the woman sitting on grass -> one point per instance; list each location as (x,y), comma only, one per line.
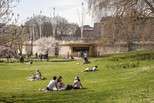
(35,76)
(77,83)
(60,84)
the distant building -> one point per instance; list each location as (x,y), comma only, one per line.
(71,44)
(92,32)
(74,47)
(143,28)
(142,37)
(97,29)
(87,31)
(91,36)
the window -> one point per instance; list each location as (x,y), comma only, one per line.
(79,49)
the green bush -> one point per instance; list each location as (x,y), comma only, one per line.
(139,55)
(123,65)
(114,59)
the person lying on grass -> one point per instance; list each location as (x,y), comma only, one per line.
(51,85)
(90,70)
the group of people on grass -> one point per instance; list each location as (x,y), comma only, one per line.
(38,75)
(82,54)
(68,56)
(57,84)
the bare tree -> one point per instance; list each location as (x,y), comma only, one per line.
(120,7)
(5,17)
(41,25)
(6,52)
(22,37)
(61,25)
(78,32)
(47,45)
(9,36)
(14,37)
(127,20)
(5,11)
(72,27)
(47,29)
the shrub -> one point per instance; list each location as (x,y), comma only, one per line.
(123,65)
(114,59)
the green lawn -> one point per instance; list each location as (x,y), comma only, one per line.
(112,83)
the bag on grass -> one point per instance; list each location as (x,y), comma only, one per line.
(68,87)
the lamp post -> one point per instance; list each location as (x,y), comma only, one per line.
(32,34)
(82,23)
(40,23)
(54,23)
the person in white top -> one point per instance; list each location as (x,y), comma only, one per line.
(94,68)
(37,75)
(77,83)
(85,56)
(51,85)
(90,70)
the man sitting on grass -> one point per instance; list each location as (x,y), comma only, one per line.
(51,85)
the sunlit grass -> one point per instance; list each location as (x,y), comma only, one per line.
(117,85)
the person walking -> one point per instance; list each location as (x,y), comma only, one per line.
(85,56)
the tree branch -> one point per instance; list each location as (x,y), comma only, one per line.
(150,5)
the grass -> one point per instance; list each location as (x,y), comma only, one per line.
(107,85)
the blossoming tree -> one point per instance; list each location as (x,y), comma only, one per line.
(47,45)
(6,52)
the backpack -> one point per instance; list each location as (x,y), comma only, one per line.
(68,87)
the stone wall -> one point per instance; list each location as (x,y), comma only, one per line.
(120,48)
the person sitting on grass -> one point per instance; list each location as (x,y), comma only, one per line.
(51,86)
(38,75)
(77,83)
(35,76)
(30,62)
(90,70)
(60,84)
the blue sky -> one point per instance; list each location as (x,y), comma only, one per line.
(69,9)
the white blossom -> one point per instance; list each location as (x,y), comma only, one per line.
(46,44)
(5,51)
